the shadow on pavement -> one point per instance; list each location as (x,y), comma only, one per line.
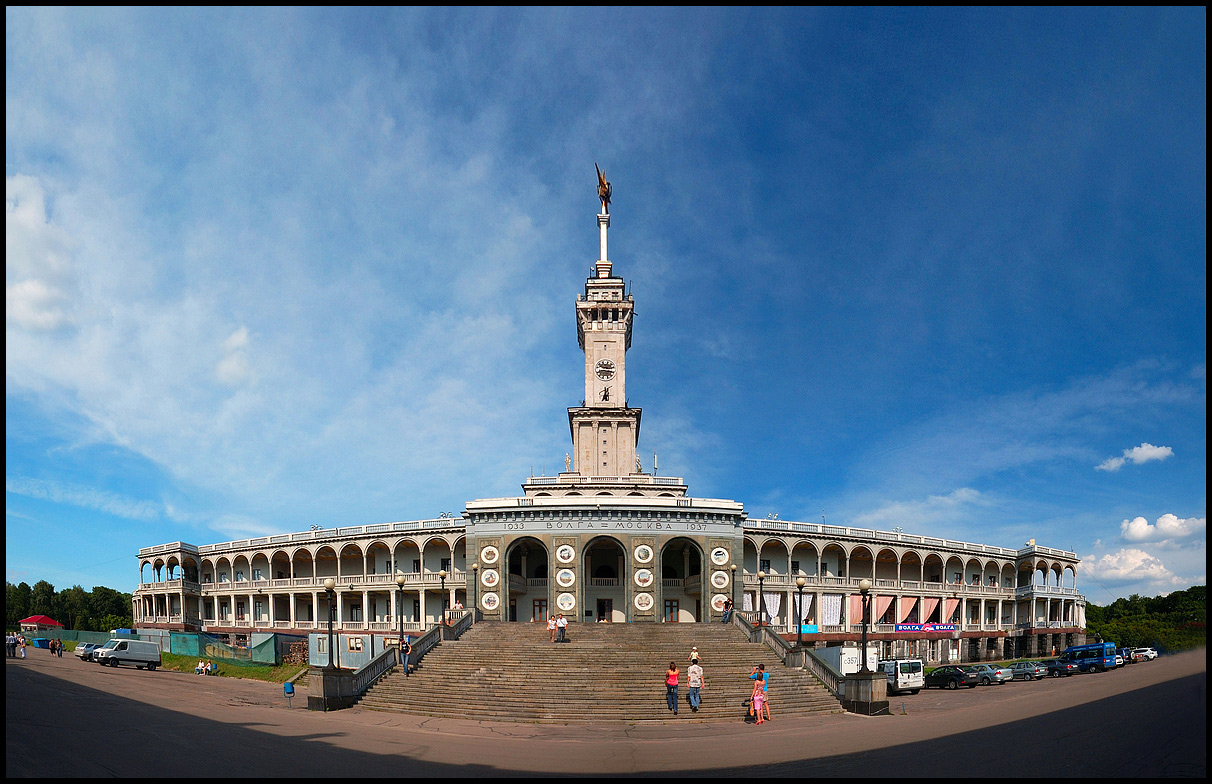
(58,728)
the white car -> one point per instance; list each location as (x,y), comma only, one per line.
(1149,653)
(140,653)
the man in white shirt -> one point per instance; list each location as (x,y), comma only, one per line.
(561,628)
(694,678)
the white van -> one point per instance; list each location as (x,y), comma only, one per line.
(140,653)
(904,675)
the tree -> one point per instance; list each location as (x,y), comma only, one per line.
(16,603)
(42,599)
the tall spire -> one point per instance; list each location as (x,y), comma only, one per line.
(604,191)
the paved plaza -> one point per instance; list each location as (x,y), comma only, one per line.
(64,717)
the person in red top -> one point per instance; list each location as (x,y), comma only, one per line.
(671,687)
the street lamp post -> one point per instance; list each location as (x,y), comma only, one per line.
(799,611)
(400,578)
(475,588)
(761,598)
(442,579)
(329,586)
(733,568)
(865,591)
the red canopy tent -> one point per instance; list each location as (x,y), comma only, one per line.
(36,623)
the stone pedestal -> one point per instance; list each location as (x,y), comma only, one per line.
(866,693)
(330,689)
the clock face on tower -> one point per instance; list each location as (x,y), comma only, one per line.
(604,369)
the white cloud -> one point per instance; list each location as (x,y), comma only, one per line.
(1130,565)
(923,514)
(1168,528)
(1137,454)
(37,259)
(87,497)
(233,369)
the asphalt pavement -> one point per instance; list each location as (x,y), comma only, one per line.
(64,717)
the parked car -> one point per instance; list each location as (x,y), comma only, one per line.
(140,653)
(992,673)
(1058,668)
(85,650)
(951,677)
(1028,670)
(1149,653)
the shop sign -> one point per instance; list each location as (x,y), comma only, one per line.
(925,627)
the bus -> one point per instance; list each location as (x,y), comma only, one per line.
(1096,657)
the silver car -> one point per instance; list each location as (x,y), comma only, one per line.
(991,673)
(1028,671)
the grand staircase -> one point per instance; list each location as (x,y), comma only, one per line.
(606,673)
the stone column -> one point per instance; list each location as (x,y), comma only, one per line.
(340,608)
(366,610)
(294,610)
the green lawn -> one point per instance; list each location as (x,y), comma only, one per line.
(258,672)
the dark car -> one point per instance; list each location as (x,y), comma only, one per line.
(1057,668)
(952,677)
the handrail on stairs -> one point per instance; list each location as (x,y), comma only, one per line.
(792,656)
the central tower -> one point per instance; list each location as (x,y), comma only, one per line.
(604,429)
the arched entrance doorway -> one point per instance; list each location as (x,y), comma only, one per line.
(682,568)
(605,589)
(526,576)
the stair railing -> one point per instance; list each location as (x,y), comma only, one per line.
(796,658)
(832,679)
(458,622)
(369,673)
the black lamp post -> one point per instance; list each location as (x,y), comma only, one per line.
(329,585)
(733,568)
(442,579)
(865,591)
(400,579)
(799,611)
(761,599)
(475,588)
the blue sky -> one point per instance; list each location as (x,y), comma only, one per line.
(941,270)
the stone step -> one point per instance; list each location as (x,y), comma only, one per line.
(606,672)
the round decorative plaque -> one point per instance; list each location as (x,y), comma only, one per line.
(565,578)
(719,556)
(566,602)
(490,601)
(643,578)
(490,577)
(643,554)
(565,553)
(489,555)
(643,602)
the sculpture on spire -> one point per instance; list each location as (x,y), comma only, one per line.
(603,190)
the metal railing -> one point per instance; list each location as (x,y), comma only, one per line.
(369,673)
(824,673)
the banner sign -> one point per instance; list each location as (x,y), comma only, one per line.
(810,629)
(925,627)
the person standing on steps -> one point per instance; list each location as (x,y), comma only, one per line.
(405,652)
(694,682)
(551,627)
(671,687)
(759,701)
(561,628)
(727,610)
(762,679)
(693,658)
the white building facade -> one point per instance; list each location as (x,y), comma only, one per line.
(606,542)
